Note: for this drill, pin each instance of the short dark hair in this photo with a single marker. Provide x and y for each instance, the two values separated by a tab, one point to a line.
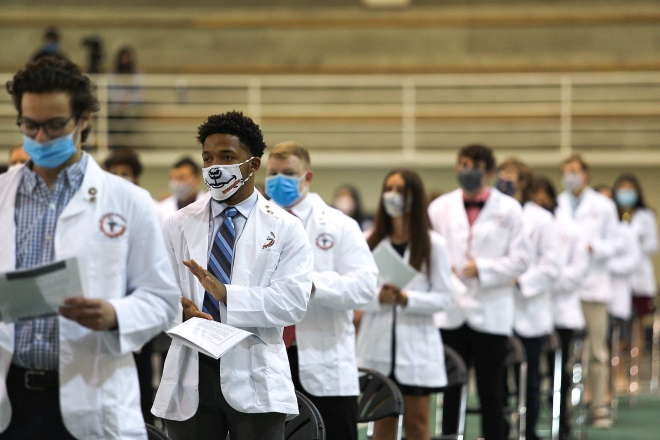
55	74
479	153
542	183
187	162
576	158
235	124
125	156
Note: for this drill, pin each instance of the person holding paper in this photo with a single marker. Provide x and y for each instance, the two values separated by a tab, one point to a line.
321	347
533	303
397	335
73	376
244	261
488	251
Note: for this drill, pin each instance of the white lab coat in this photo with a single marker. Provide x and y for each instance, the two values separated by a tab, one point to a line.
270	286
646	228
345	277
533	315
169	206
497	243
420	359
597	219
622	266
99	391
573	267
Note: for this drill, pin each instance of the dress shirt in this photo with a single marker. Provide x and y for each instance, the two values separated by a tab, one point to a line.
303	210
37	209
474	210
217	208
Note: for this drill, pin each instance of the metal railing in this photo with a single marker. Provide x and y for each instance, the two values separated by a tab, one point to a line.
382	120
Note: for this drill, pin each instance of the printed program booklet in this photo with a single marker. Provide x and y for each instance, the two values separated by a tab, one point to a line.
212	338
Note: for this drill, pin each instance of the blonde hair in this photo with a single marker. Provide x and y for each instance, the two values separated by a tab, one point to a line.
284	150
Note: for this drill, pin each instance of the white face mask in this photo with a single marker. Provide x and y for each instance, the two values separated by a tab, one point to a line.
572	181
180	190
394	204
224	180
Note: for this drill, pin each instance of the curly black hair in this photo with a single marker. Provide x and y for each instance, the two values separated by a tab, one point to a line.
236	124
55	74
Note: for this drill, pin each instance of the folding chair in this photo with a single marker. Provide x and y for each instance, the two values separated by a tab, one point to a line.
308	425
379	398
551	352
154	433
576	404
457	376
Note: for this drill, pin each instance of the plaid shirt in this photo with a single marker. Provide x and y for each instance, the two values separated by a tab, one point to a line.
36	341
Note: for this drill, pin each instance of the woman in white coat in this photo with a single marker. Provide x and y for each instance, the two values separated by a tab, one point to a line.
573	263
398	337
632	208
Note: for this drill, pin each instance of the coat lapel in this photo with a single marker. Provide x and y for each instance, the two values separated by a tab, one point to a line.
258	231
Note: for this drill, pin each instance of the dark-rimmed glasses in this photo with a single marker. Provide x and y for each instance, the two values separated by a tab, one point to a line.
53	128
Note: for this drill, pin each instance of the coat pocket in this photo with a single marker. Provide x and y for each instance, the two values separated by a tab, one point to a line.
269	370
264	267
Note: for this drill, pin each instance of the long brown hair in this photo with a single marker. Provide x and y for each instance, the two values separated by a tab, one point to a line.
418	219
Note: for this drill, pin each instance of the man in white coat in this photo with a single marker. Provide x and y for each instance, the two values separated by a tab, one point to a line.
321	347
533	313
73	376
488	252
184	186
241	260
596	217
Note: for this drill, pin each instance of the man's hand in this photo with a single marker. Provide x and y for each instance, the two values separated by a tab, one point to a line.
209	282
190	310
387	294
470	269
93	313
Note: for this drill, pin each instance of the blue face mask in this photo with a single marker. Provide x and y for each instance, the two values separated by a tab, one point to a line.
505	186
50	154
283	189
626	198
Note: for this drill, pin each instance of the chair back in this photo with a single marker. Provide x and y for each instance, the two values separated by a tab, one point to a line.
308	425
457	373
154	433
379	397
551	343
515	353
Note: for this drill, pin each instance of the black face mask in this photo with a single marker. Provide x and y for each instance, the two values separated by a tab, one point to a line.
470	178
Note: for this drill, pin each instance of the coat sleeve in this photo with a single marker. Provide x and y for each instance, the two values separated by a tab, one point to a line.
353	283
541	276
608	242
573	270
284	301
152	297
504	270
626	262
648	232
440	294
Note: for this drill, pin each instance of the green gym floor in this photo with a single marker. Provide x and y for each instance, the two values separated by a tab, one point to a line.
640	421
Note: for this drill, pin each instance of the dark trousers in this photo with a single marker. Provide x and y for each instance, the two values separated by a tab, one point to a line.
145	377
339	413
533	347
215	417
35	414
565	336
487	353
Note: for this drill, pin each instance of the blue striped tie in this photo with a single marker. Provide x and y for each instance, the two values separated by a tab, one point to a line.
222	254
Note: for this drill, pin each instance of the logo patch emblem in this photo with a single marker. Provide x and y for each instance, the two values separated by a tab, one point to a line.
325	241
113	225
270	241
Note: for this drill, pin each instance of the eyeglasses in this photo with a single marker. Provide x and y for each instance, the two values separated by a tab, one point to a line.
53	128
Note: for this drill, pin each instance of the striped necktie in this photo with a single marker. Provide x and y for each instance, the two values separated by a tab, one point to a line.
220	258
